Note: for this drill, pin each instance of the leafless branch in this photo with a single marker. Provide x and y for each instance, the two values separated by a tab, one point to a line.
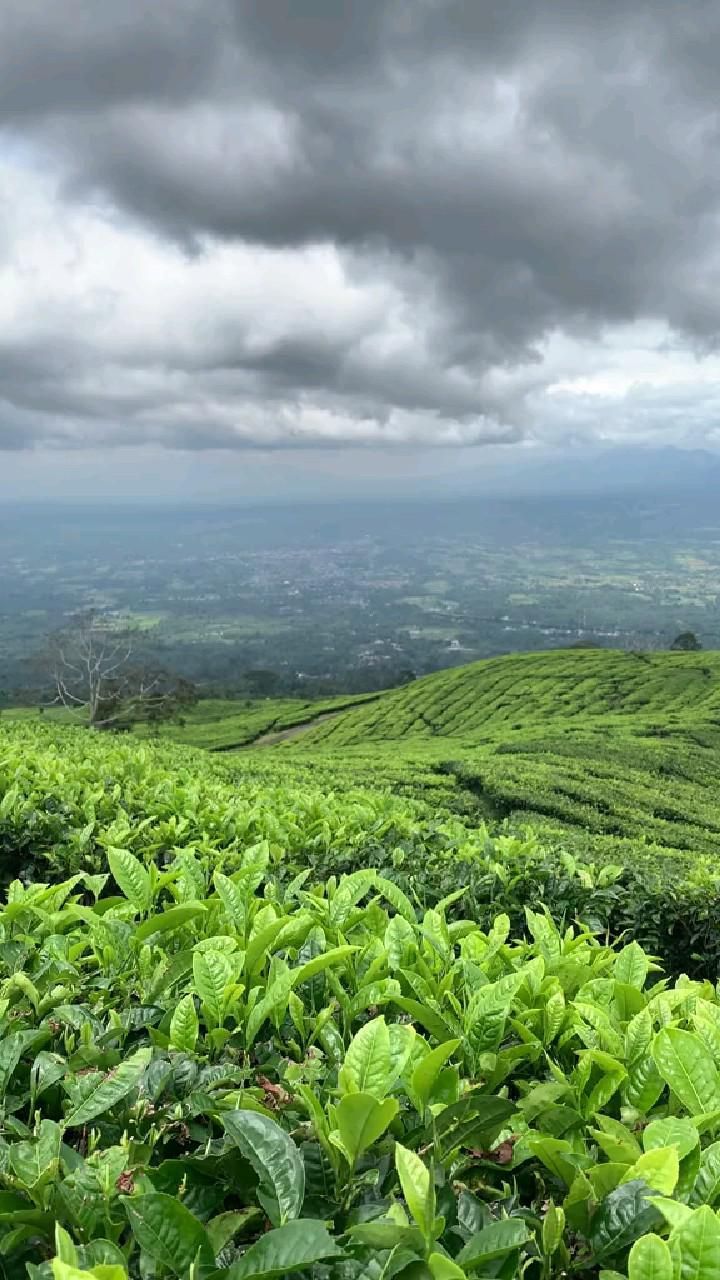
90	667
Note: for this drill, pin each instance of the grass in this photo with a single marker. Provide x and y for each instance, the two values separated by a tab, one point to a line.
53	715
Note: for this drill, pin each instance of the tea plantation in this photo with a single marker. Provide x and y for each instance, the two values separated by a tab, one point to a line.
428	990
600	743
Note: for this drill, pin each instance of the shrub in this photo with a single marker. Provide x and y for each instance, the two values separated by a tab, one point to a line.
205	1072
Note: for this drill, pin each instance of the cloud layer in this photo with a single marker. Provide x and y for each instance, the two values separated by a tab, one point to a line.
429	222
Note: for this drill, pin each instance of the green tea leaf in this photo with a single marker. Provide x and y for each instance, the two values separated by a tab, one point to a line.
184	1026
168	1232
168	921
232	899
387	1233
326	960
260	944
114	1086
578	1202
427	1017
417	1188
397	899
494	1242
650	1259
131	876
212	971
671	1131
47	1070
292	1247
659	1168
35	1161
622	1217
443	1268
66	1271
361	1120
554	1153
688	1067
632	966
426	1073
475	1120
349	892
403	1038
617	1141
707	1183
552	1229
366	1068
489	1009
695	1246
64	1247
673	1211
275	1000
11	1049
644	1084
274	1157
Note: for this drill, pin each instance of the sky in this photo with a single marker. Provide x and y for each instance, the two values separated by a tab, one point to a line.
271	247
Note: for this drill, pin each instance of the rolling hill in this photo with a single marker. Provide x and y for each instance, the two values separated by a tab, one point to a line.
596	745
611	758
603	744
535	690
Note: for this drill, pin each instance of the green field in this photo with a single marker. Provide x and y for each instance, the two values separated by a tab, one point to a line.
424	988
595	743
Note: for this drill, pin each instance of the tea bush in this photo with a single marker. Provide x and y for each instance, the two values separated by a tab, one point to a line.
204	1071
256	1021
66	796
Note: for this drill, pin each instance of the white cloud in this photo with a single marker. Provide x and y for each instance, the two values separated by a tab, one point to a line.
421	225
111	334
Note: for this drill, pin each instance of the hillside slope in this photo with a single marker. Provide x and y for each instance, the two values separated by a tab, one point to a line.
492	698
553	811
601	743
216	724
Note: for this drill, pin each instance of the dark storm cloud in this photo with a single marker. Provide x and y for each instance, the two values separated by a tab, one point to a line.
509	171
87	55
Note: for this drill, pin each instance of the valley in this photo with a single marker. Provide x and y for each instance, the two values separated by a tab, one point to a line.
312	601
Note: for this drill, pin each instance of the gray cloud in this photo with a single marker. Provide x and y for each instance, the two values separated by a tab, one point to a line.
372	221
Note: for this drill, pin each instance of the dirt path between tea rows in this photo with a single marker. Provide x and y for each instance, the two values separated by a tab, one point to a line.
273	736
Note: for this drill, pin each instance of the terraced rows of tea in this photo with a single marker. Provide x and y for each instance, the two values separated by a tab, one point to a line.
599	745
492	698
616	784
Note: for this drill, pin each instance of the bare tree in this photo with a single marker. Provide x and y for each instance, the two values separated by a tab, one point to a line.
94	673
